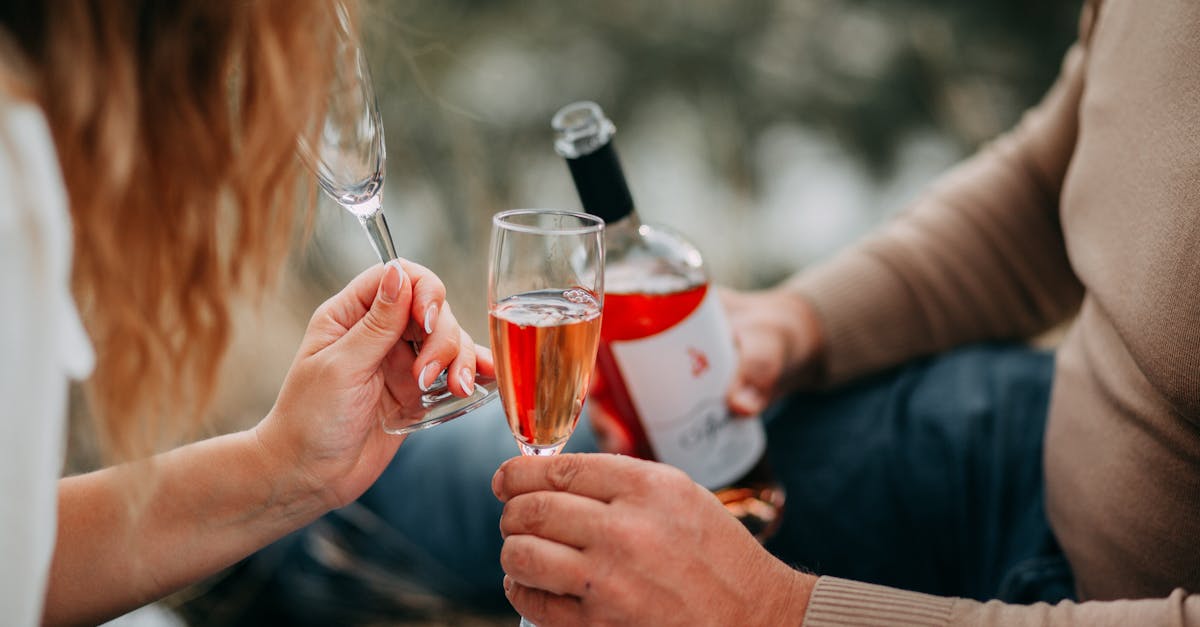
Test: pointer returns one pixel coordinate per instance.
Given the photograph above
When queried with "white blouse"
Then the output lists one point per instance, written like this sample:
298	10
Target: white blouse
42	345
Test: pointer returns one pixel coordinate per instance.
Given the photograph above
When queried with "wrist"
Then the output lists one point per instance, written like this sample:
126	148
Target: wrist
290	489
792	604
789	598
801	335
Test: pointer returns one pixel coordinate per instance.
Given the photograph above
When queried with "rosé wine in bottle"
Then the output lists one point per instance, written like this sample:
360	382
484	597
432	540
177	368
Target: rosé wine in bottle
666	357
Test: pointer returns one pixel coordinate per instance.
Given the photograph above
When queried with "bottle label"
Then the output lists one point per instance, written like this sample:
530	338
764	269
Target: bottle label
678	380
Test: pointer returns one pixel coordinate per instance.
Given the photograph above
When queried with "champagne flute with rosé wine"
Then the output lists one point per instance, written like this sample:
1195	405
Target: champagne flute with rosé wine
545	297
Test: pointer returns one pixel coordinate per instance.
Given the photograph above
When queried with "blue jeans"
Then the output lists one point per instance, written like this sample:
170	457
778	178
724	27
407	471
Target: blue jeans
927	477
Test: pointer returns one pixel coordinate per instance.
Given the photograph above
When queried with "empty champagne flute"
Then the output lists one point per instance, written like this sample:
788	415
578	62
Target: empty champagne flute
348	158
545	297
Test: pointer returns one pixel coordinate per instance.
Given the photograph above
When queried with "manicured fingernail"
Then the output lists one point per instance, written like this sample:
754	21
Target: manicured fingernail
466	380
430	316
433	367
507	583
389	285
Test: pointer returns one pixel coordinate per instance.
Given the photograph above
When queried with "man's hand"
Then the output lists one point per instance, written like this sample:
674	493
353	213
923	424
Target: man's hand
611	540
778	337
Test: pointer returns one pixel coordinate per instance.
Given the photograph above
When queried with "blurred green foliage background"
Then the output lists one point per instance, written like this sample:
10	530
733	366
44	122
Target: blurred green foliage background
770	131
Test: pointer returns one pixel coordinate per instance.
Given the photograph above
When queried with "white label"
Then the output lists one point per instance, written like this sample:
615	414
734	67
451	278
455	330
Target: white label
677	381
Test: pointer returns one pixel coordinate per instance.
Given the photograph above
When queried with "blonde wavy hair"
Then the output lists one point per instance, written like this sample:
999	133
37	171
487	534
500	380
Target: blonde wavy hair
176	125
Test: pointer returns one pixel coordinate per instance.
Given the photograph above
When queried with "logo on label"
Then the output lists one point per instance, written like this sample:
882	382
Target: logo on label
699	361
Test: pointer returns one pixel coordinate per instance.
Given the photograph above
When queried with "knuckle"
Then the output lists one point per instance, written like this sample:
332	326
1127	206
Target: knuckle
638	484
563	471
516	557
374	324
525	514
433	283
667	477
659	480
675	478
535	512
645	479
453	343
430	286
535	601
622	530
321	313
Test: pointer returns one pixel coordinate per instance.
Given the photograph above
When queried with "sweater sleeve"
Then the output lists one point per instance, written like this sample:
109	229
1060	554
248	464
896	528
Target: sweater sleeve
841	602
979	256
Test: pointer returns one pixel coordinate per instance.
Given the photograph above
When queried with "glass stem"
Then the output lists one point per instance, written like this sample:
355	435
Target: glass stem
381	238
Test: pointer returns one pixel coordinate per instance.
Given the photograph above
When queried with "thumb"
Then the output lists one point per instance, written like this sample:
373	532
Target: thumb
745	398
370	339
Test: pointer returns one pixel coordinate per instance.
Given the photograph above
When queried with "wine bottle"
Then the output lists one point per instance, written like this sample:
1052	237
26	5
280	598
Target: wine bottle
666	358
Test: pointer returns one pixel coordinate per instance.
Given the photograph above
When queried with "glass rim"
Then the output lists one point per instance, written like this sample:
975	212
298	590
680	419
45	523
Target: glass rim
503	220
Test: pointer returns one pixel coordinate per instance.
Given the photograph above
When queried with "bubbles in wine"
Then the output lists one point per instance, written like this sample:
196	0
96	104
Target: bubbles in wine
549	308
579	296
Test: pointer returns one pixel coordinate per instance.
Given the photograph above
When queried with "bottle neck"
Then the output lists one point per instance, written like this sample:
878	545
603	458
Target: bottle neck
601	184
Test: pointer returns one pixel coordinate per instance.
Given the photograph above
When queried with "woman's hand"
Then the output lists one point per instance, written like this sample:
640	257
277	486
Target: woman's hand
354	367
612	540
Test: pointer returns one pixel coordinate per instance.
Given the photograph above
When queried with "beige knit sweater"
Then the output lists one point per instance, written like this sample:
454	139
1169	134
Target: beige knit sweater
1091	205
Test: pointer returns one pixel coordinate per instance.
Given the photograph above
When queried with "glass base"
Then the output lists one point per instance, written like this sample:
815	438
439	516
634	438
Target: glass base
438	405
759	507
534	450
